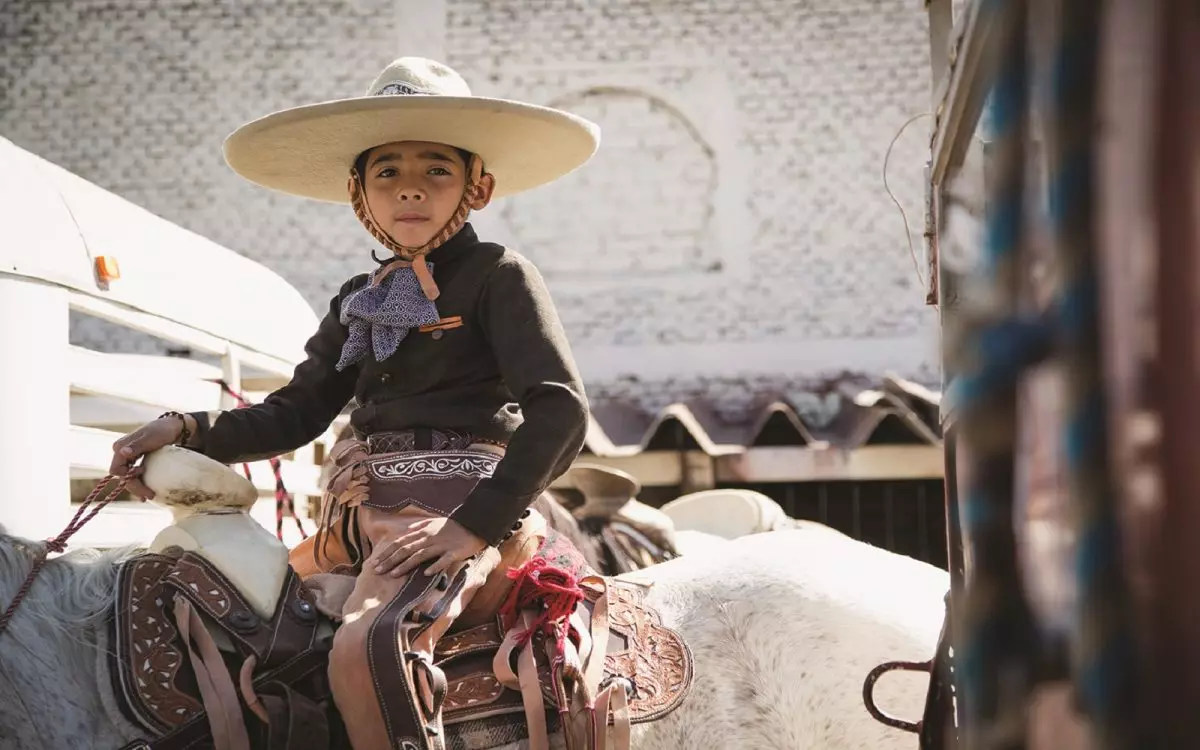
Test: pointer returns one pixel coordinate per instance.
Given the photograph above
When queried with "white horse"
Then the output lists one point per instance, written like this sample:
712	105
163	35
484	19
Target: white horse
783	627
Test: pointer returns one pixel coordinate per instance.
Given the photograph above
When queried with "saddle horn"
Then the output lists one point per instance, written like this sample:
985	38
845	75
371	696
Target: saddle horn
605	490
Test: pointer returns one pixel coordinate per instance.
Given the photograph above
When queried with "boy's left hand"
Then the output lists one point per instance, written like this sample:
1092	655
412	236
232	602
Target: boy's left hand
439	539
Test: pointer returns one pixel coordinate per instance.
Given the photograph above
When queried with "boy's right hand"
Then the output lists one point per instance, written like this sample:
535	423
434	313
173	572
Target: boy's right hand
148	438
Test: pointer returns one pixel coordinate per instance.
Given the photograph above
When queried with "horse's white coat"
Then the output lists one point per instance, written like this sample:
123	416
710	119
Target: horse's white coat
697	542
783	626
50	652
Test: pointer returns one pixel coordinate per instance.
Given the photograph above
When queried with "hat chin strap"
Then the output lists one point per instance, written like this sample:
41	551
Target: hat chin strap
472	198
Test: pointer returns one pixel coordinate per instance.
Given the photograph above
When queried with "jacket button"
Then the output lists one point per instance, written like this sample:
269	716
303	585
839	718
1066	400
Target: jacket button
526	513
437	335
516	526
506	537
385	378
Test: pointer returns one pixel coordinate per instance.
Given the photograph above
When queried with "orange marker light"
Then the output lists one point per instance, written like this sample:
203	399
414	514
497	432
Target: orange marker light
107	268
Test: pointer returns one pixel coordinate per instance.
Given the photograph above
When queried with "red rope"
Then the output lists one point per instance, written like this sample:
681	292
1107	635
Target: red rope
541	586
283	498
59	543
554	593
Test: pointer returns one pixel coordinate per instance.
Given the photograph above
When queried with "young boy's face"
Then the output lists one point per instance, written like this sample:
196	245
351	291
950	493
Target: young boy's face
413	188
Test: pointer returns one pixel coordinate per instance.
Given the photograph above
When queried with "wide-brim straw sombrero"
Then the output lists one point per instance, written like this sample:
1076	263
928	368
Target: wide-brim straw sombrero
309	150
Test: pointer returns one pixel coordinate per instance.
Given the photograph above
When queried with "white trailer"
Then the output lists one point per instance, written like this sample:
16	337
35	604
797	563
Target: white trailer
63	242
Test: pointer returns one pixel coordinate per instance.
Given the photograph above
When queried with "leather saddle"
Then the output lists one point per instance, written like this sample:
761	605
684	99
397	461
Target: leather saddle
212	618
204	650
632	535
185	640
159	670
210	507
727	513
483	680
653	662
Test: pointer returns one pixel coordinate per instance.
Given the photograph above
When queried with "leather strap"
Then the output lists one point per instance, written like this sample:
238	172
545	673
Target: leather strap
600	719
292	719
619	707
605	703
249	694
613	702
216	689
525	680
196	733
594	670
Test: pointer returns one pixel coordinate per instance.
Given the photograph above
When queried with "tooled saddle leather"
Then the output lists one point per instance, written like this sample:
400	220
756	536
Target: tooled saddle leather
651	658
158	688
463	686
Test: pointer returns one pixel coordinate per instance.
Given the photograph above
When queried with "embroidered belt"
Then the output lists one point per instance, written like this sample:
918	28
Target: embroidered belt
423	439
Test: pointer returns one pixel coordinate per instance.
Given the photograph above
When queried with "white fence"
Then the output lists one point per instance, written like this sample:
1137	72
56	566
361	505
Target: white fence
62	406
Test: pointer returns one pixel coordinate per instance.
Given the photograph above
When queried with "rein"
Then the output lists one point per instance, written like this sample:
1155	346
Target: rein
59	543
285	504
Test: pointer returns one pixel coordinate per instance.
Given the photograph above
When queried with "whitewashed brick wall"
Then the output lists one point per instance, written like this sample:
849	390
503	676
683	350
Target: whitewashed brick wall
732	236
137	96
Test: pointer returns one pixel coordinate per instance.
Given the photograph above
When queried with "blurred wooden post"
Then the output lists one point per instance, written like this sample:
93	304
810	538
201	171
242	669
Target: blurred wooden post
1176	636
1126	209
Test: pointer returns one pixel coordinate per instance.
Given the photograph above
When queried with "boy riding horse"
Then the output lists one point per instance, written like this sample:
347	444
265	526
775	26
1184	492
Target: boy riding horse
468	404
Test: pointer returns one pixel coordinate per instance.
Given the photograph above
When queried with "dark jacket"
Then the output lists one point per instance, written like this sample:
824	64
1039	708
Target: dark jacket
505	374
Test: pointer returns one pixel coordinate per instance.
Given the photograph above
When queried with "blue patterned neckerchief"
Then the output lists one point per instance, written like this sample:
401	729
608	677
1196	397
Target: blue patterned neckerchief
380	316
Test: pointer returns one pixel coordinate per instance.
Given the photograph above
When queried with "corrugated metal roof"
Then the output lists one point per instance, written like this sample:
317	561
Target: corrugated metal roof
894	412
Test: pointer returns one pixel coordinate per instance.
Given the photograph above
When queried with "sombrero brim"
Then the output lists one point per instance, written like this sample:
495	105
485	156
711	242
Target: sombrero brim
308	150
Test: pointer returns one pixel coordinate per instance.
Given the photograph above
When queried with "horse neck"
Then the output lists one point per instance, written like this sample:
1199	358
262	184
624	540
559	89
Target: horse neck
53	647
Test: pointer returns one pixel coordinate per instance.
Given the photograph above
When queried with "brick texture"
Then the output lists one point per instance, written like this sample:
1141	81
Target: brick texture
137	97
619	218
737	196
820	88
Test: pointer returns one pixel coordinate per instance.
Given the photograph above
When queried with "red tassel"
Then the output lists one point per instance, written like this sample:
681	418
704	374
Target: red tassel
541	586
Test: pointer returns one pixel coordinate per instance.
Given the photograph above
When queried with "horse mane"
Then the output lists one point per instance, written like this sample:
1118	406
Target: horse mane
74	589
53	651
